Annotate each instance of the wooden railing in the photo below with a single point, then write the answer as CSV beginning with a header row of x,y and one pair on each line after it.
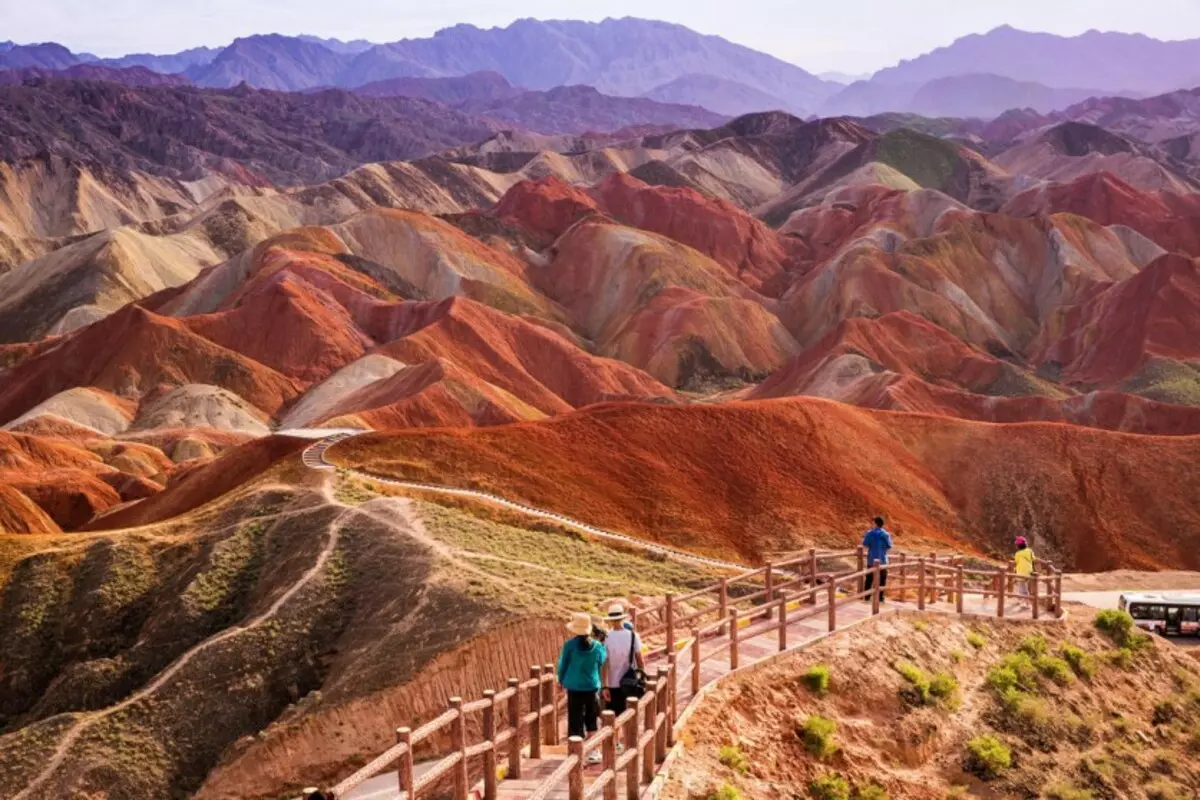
x,y
759,602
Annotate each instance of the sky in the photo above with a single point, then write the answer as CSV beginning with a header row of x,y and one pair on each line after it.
x,y
854,36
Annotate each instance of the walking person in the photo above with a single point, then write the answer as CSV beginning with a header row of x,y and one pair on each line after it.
x,y
877,541
625,674
1024,563
580,668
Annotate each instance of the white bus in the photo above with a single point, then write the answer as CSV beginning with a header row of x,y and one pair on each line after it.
x,y
1165,613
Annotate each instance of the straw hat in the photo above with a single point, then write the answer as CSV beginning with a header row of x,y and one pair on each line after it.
x,y
616,612
580,624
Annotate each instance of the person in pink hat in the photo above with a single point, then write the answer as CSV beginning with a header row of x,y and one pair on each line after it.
x,y
1024,563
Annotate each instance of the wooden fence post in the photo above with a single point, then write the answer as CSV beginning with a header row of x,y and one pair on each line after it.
x,y
535,705
489,755
633,775
920,584
672,680
783,620
769,579
648,725
458,732
722,603
832,593
933,574
876,590
733,639
514,723
664,694
1002,578
695,662
862,564
958,590
670,623
575,776
812,575
903,596
1058,610
404,770
608,751
1032,583
549,698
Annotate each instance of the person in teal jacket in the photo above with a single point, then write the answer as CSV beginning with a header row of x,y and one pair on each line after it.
x,y
579,670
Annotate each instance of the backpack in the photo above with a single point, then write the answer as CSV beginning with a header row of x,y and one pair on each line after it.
x,y
633,682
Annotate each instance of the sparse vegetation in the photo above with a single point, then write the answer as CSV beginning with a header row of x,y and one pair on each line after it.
x,y
727,792
1033,645
1165,711
1120,627
976,640
829,787
1056,669
1166,790
920,626
957,656
817,679
817,733
870,791
1081,663
1067,791
987,757
732,756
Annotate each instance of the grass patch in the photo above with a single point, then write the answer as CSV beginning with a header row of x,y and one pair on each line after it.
x,y
870,791
1167,790
231,572
976,640
1165,712
1121,629
1056,669
727,792
817,733
1033,646
829,787
987,757
957,656
1068,791
1082,664
732,756
817,679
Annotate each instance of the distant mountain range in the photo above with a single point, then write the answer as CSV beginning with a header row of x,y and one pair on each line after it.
x,y
978,76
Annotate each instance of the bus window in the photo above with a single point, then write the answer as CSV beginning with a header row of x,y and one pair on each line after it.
x,y
1191,614
1158,612
1137,611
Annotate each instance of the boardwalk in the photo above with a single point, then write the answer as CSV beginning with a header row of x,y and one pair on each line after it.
x,y
715,663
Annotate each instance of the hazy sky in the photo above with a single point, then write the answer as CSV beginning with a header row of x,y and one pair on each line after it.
x,y
819,35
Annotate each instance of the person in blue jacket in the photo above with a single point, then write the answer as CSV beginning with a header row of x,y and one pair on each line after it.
x,y
579,674
877,541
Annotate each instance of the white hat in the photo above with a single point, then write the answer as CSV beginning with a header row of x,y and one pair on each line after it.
x,y
580,624
616,611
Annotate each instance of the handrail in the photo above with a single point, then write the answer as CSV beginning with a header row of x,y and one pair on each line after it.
x,y
513,717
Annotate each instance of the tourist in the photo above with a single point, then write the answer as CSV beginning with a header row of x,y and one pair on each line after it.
x,y
625,675
579,674
1023,565
877,541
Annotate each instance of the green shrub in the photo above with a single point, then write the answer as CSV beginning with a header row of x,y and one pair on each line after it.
x,y
1165,711
829,787
1083,664
870,791
1033,645
1121,658
976,640
987,757
726,792
944,686
732,756
817,679
957,656
1066,791
817,734
1056,669
917,692
1120,627
1166,790
1014,671
920,626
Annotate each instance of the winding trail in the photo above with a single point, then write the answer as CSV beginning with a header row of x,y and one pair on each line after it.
x,y
90,718
314,458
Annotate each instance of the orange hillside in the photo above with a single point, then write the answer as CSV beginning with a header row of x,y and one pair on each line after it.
x,y
750,478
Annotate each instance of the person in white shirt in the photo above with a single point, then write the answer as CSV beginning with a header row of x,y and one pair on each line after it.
x,y
624,651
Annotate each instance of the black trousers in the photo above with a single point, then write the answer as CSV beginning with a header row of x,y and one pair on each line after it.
x,y
583,713
870,584
617,700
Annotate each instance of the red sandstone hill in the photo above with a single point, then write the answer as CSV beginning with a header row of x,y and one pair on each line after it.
x,y
750,478
1169,219
1153,315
